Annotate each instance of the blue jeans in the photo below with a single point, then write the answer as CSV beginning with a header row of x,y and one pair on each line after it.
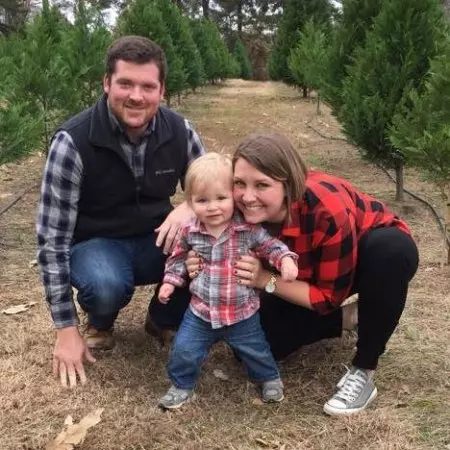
x,y
195,337
105,272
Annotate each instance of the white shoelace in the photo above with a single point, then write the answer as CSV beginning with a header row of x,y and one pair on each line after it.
x,y
352,385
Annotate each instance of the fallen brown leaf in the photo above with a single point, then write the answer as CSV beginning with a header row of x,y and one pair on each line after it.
x,y
73,435
18,308
220,374
405,390
262,442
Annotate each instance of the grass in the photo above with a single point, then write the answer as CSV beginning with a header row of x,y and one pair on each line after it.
x,y
412,410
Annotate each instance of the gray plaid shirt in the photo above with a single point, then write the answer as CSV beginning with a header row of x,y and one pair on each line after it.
x,y
58,211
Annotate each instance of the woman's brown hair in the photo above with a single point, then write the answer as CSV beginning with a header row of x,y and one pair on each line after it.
x,y
274,156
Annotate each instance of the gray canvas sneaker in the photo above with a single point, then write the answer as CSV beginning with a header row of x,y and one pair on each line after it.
x,y
355,392
272,391
175,398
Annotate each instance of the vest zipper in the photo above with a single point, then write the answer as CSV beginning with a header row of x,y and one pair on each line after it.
x,y
138,192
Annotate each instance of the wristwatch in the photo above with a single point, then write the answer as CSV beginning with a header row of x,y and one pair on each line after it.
x,y
271,284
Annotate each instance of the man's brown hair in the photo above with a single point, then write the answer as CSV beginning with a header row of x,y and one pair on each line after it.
x,y
274,156
139,50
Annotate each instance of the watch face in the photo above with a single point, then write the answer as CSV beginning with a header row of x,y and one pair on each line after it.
x,y
270,287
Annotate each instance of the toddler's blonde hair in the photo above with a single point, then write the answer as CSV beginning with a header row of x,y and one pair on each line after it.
x,y
205,170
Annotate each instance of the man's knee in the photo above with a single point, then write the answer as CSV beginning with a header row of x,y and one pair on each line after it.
x,y
104,295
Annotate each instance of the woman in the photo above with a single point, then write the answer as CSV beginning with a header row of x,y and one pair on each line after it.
x,y
347,242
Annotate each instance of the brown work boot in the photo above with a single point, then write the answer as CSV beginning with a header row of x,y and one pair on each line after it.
x,y
163,335
99,340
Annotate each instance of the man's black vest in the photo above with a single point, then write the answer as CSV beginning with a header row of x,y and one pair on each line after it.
x,y
111,203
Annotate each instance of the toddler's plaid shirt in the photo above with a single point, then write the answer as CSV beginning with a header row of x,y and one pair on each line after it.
x,y
217,297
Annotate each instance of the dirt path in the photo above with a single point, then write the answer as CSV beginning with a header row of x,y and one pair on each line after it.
x,y
413,408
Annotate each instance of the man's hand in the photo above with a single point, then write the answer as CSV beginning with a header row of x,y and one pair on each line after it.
x,y
165,291
168,230
68,355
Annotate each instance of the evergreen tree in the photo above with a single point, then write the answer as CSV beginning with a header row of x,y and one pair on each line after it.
x,y
242,59
10,57
20,131
33,90
83,48
394,60
350,33
422,134
217,60
307,62
184,44
295,15
231,67
144,19
225,65
207,53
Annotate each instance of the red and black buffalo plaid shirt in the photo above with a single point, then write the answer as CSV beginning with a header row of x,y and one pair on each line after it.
x,y
326,227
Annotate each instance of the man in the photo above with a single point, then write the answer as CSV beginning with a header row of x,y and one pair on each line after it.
x,y
105,222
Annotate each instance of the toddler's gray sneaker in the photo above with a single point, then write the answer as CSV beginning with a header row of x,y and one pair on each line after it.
x,y
272,391
355,392
175,398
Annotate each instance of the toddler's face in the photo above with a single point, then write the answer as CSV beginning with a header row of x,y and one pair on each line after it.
x,y
213,203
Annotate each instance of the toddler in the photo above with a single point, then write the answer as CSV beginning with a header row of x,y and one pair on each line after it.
x,y
220,307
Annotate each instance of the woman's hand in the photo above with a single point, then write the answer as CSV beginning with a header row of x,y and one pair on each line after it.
x,y
193,264
250,272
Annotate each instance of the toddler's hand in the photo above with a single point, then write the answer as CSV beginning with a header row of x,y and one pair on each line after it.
x,y
165,291
289,269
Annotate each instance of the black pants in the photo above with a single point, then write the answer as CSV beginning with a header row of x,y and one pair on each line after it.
x,y
387,260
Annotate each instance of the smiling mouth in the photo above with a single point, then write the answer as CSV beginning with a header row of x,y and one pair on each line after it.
x,y
135,108
253,207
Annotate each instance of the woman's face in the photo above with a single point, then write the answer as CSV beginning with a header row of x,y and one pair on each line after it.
x,y
259,197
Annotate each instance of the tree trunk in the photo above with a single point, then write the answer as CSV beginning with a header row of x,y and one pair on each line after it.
x,y
178,3
305,91
446,4
205,8
447,223
239,18
399,185
318,104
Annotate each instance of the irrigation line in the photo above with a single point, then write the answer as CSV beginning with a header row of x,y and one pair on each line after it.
x,y
18,198
420,199
325,136
412,194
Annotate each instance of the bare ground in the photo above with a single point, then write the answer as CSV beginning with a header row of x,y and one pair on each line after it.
x,y
413,407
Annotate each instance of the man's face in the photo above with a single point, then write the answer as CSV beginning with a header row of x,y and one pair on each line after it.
x,y
134,94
